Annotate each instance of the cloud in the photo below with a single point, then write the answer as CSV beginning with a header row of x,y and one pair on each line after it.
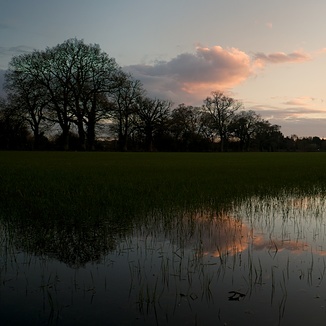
x,y
4,26
188,74
303,101
15,50
302,120
269,25
303,127
191,77
293,110
262,59
6,53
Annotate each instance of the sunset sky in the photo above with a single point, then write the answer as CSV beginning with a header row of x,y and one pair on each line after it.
x,y
270,55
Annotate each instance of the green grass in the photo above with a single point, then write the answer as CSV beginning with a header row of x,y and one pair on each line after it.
x,y
77,186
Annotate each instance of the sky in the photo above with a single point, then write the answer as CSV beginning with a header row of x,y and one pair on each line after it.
x,y
269,55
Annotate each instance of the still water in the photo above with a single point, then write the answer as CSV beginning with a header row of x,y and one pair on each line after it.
x,y
262,261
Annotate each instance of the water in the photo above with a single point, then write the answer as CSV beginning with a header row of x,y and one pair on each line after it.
x,y
260,262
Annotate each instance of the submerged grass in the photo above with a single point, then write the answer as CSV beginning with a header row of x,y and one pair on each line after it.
x,y
80,186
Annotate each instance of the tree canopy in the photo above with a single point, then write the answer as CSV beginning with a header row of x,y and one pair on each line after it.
x,y
72,81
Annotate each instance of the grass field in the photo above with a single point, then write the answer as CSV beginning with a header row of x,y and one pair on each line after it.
x,y
122,185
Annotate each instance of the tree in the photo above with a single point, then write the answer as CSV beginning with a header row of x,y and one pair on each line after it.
x,y
124,106
13,130
185,126
267,136
76,80
219,111
37,68
151,116
244,127
26,98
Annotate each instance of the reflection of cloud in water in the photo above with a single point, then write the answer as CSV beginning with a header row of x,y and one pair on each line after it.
x,y
297,247
225,235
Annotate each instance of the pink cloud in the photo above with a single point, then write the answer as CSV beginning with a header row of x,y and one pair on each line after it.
x,y
220,68
269,25
208,65
190,77
261,59
300,101
206,70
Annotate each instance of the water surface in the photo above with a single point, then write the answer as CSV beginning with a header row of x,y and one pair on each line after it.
x,y
262,261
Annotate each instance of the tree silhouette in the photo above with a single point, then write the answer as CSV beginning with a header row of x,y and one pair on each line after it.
x,y
151,116
220,110
27,100
124,107
75,89
245,127
75,80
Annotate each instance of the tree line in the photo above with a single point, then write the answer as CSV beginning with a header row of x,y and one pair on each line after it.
x,y
75,97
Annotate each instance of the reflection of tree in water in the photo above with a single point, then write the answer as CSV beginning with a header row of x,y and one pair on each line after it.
x,y
71,243
79,242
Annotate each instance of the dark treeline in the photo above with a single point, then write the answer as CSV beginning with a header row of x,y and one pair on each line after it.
x,y
75,97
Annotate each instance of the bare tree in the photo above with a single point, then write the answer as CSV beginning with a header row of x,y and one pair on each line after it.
x,y
244,127
219,110
90,76
151,116
268,137
13,129
75,80
27,99
186,126
38,69
125,99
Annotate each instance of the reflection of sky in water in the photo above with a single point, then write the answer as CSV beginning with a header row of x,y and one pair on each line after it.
x,y
182,271
294,225
272,251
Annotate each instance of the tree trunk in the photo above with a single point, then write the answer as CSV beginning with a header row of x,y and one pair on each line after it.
x,y
90,136
81,135
36,143
65,137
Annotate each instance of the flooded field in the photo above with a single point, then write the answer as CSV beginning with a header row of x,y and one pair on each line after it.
x,y
262,261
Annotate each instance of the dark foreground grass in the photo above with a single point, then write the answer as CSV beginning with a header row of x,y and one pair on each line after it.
x,y
77,186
